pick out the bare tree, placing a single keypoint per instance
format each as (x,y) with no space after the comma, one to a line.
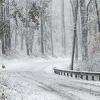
(52,48)
(42,36)
(74,5)
(5,26)
(84,46)
(63,27)
(98,16)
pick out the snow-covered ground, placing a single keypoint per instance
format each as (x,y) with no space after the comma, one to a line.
(33,79)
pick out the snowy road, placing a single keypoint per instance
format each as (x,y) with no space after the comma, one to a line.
(43,86)
(38,84)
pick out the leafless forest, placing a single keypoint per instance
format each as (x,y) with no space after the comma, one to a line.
(49,33)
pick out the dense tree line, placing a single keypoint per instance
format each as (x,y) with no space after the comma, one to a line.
(90,29)
(33,16)
(28,28)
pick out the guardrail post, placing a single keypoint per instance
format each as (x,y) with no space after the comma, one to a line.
(81,76)
(64,74)
(75,75)
(99,78)
(67,74)
(59,73)
(93,78)
(55,71)
(71,75)
(86,77)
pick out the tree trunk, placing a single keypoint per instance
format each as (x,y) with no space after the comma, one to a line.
(73,49)
(42,35)
(76,48)
(22,40)
(63,29)
(16,38)
(98,16)
(84,46)
(6,38)
(2,26)
(27,31)
(75,37)
(3,46)
(52,48)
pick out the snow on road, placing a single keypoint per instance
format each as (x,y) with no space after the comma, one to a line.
(35,80)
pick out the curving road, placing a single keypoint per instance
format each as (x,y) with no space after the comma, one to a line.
(38,82)
(53,87)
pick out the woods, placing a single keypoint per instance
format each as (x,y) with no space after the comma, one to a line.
(30,29)
(31,25)
(5,27)
(89,21)
(41,39)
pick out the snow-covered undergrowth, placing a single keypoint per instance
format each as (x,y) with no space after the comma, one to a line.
(92,64)
(32,64)
(3,84)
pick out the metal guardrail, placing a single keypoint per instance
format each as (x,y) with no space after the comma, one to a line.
(93,76)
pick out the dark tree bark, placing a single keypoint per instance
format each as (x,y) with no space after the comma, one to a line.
(6,38)
(42,35)
(98,16)
(22,40)
(84,46)
(27,31)
(76,48)
(52,48)
(63,28)
(75,41)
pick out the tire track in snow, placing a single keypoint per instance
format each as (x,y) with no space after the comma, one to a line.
(57,89)
(44,82)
